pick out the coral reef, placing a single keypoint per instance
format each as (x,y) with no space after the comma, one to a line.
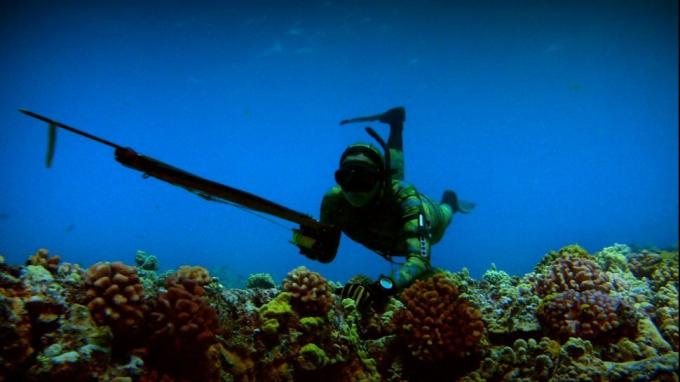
(436,323)
(41,257)
(508,305)
(310,293)
(197,274)
(608,317)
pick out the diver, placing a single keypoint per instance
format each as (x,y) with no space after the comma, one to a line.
(374,206)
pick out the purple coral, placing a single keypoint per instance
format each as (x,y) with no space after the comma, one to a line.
(572,273)
(591,314)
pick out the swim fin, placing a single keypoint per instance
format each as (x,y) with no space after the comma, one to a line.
(391,116)
(449,197)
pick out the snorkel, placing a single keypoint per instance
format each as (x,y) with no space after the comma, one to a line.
(387,174)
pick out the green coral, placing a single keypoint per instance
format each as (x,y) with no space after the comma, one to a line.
(311,324)
(260,281)
(276,310)
(146,261)
(496,277)
(312,357)
(613,258)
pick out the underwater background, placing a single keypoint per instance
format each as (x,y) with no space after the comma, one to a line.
(559,119)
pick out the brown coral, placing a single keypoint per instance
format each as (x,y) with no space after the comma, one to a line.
(183,318)
(15,335)
(41,258)
(571,273)
(197,274)
(591,315)
(183,327)
(667,272)
(311,294)
(436,323)
(644,263)
(114,295)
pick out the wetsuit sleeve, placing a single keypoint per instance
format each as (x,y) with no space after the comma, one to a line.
(328,241)
(416,241)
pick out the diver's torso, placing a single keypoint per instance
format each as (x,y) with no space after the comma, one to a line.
(378,227)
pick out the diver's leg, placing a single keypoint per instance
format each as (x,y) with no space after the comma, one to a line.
(438,216)
(395,142)
(450,199)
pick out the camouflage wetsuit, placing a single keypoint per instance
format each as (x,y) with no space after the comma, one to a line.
(390,226)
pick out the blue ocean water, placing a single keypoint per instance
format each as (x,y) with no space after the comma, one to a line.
(559,119)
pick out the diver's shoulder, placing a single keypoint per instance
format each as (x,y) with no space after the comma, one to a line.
(333,193)
(401,185)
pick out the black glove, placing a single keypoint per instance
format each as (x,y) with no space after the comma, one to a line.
(317,244)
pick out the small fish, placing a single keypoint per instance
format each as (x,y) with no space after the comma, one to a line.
(51,142)
(356,292)
(4,215)
(70,228)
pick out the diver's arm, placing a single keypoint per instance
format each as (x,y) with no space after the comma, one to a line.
(395,117)
(330,240)
(320,244)
(417,259)
(415,235)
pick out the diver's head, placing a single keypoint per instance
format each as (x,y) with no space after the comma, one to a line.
(360,174)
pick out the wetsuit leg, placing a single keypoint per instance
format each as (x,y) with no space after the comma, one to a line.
(438,216)
(395,143)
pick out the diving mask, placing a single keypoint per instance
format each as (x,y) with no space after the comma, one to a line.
(356,177)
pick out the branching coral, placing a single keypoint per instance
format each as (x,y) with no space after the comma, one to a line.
(41,258)
(114,296)
(310,293)
(591,314)
(436,323)
(571,273)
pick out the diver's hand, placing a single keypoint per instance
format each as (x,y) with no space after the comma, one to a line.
(393,116)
